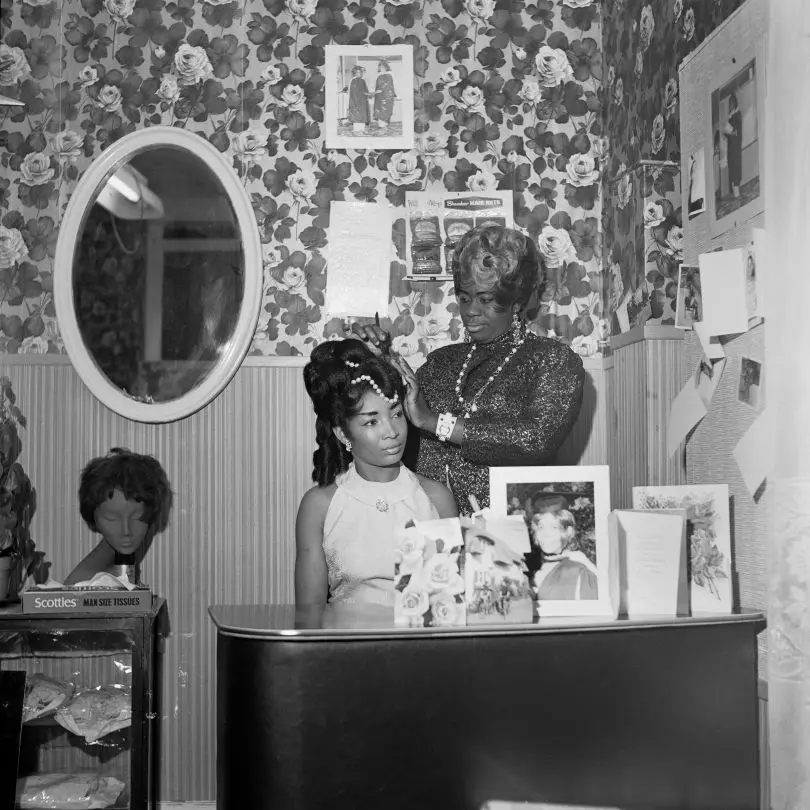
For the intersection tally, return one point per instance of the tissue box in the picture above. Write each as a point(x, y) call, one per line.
point(497, 588)
point(428, 574)
point(69, 601)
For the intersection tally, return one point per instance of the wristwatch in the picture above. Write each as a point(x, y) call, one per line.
point(445, 425)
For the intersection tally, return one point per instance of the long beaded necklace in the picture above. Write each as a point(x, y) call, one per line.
point(472, 406)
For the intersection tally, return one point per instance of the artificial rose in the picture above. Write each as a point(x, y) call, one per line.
point(618, 92)
point(674, 240)
point(293, 97)
point(409, 550)
point(482, 181)
point(407, 346)
point(302, 8)
point(12, 247)
point(294, 279)
point(450, 78)
point(414, 602)
point(432, 145)
point(473, 99)
point(403, 168)
point(250, 145)
point(658, 134)
point(68, 145)
point(271, 74)
point(301, 185)
point(624, 190)
point(88, 76)
point(677, 9)
point(34, 345)
point(434, 330)
point(670, 97)
point(441, 574)
point(639, 66)
point(13, 65)
point(480, 9)
point(581, 170)
point(169, 90)
point(585, 345)
point(36, 169)
point(445, 610)
point(530, 90)
point(556, 247)
point(119, 9)
point(653, 214)
point(646, 27)
point(109, 98)
point(553, 66)
point(192, 63)
point(689, 24)
point(520, 53)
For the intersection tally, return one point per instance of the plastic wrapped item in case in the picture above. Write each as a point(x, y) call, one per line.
point(43, 696)
point(94, 713)
point(64, 791)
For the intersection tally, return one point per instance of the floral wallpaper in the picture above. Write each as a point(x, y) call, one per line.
point(508, 95)
point(644, 43)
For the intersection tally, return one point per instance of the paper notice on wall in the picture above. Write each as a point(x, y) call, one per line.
point(712, 347)
point(359, 254)
point(688, 408)
point(435, 222)
point(723, 283)
point(754, 453)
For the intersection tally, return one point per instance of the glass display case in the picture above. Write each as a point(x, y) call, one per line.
point(90, 711)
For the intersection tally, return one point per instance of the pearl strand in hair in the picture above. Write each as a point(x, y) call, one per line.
point(365, 378)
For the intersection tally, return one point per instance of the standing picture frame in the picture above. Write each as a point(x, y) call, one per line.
point(369, 97)
point(566, 511)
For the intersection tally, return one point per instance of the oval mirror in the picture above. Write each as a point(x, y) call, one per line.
point(158, 275)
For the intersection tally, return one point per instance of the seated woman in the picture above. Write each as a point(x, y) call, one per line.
point(346, 524)
point(126, 498)
point(565, 572)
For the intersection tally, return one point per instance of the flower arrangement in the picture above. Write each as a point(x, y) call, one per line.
point(428, 581)
point(19, 558)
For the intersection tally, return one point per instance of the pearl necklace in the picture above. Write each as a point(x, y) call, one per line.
point(472, 405)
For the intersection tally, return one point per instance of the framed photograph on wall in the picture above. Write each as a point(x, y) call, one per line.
point(689, 305)
point(734, 174)
point(369, 97)
point(566, 512)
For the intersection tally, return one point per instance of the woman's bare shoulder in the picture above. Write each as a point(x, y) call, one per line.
point(440, 496)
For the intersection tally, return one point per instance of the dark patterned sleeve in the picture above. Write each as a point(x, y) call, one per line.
point(552, 400)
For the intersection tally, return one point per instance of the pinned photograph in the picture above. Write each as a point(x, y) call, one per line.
point(369, 97)
point(565, 510)
point(751, 297)
point(689, 305)
point(697, 183)
point(707, 376)
point(736, 170)
point(751, 390)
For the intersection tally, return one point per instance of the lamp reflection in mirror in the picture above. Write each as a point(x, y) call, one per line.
point(158, 275)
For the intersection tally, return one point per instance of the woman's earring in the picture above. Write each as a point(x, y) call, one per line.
point(517, 327)
point(348, 446)
point(466, 335)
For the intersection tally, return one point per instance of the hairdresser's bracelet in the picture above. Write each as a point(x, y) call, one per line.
point(445, 426)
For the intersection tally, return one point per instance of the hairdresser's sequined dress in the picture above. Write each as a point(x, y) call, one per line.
point(523, 416)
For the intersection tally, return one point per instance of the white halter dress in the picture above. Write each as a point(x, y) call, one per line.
point(359, 531)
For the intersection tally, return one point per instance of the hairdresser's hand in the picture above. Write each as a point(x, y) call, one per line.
point(416, 408)
point(377, 339)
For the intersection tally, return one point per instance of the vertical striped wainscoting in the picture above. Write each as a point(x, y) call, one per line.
point(238, 469)
point(648, 372)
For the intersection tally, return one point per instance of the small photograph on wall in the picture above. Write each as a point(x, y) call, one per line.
point(751, 297)
point(696, 202)
point(751, 389)
point(736, 167)
point(689, 306)
point(369, 97)
point(565, 510)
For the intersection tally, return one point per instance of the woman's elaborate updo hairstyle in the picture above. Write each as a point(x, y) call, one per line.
point(328, 379)
point(501, 258)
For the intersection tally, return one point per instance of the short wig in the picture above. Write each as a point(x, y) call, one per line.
point(501, 258)
point(138, 477)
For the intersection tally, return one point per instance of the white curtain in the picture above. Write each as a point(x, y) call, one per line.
point(787, 372)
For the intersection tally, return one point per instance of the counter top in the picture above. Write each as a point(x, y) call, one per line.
point(283, 622)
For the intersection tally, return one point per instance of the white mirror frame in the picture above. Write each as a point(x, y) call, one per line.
point(108, 162)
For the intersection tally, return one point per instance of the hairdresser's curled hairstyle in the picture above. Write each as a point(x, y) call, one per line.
point(328, 379)
point(502, 258)
point(138, 477)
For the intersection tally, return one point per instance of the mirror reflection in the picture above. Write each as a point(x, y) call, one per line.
point(158, 274)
